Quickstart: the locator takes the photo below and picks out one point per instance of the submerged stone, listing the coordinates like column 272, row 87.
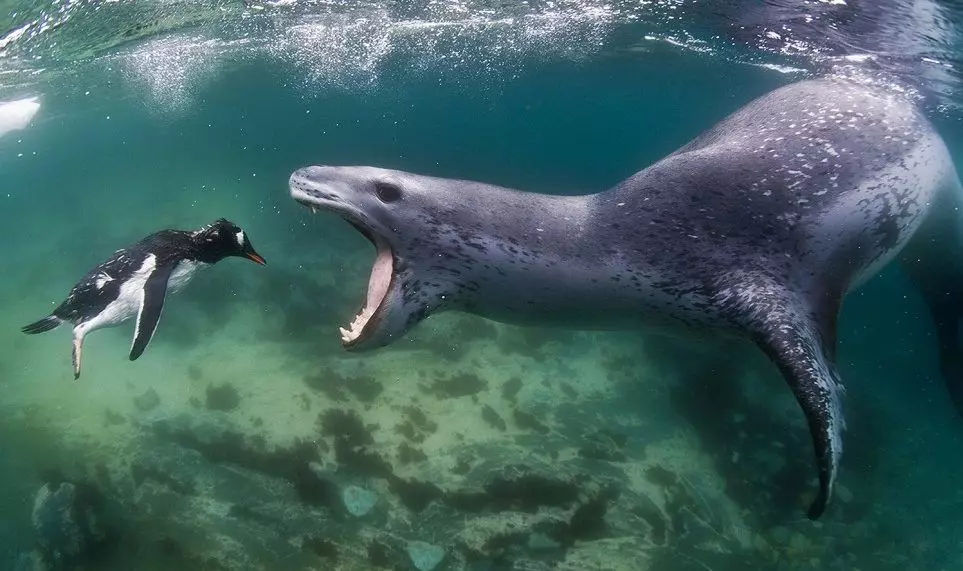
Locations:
column 425, row 556
column 358, row 501
column 58, row 532
column 540, row 541
column 31, row 561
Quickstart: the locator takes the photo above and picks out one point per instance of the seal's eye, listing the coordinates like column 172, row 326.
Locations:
column 387, row 192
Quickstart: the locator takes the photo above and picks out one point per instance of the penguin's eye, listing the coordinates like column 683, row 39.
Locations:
column 387, row 192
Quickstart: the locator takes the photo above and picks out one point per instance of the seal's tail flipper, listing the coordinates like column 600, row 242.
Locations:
column 800, row 340
column 42, row 326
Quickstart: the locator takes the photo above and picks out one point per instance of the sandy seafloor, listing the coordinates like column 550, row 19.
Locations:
column 505, row 447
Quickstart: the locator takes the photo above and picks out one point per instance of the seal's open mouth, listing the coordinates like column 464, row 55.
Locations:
column 382, row 273
column 366, row 321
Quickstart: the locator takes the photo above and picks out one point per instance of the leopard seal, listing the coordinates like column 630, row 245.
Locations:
column 758, row 227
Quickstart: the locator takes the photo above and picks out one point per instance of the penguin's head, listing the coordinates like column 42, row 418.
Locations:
column 224, row 239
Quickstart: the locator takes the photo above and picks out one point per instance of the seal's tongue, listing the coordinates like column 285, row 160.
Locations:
column 378, row 284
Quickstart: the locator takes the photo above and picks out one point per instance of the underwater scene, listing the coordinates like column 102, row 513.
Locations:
column 481, row 285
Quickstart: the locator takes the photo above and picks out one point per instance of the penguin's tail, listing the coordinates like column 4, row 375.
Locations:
column 45, row 324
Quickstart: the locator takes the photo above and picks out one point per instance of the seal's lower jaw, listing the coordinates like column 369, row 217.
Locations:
column 366, row 322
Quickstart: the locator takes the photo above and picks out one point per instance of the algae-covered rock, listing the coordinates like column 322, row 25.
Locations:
column 69, row 526
column 210, row 490
column 147, row 401
column 616, row 554
column 223, row 397
column 30, row 561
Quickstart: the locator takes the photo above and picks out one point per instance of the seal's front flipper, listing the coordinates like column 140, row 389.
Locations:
column 151, row 304
column 933, row 260
column 946, row 311
column 800, row 339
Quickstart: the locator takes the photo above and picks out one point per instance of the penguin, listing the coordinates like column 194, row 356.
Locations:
column 136, row 279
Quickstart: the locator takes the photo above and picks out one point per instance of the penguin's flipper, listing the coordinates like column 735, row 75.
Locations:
column 151, row 304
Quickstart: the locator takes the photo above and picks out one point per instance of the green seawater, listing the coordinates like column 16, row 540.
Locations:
column 234, row 441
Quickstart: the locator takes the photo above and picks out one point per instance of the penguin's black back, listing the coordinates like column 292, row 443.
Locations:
column 86, row 300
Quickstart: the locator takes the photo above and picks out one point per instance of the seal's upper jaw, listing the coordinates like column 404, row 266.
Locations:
column 317, row 187
column 330, row 188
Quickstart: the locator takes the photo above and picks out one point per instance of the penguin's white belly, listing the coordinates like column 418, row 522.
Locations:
column 118, row 311
column 131, row 295
column 182, row 274
column 128, row 301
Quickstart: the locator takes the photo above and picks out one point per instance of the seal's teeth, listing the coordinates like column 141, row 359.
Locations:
column 314, row 210
column 345, row 334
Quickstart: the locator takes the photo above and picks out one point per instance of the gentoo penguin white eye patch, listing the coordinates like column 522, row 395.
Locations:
column 240, row 237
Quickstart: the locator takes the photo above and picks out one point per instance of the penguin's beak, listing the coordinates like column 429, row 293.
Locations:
column 255, row 257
